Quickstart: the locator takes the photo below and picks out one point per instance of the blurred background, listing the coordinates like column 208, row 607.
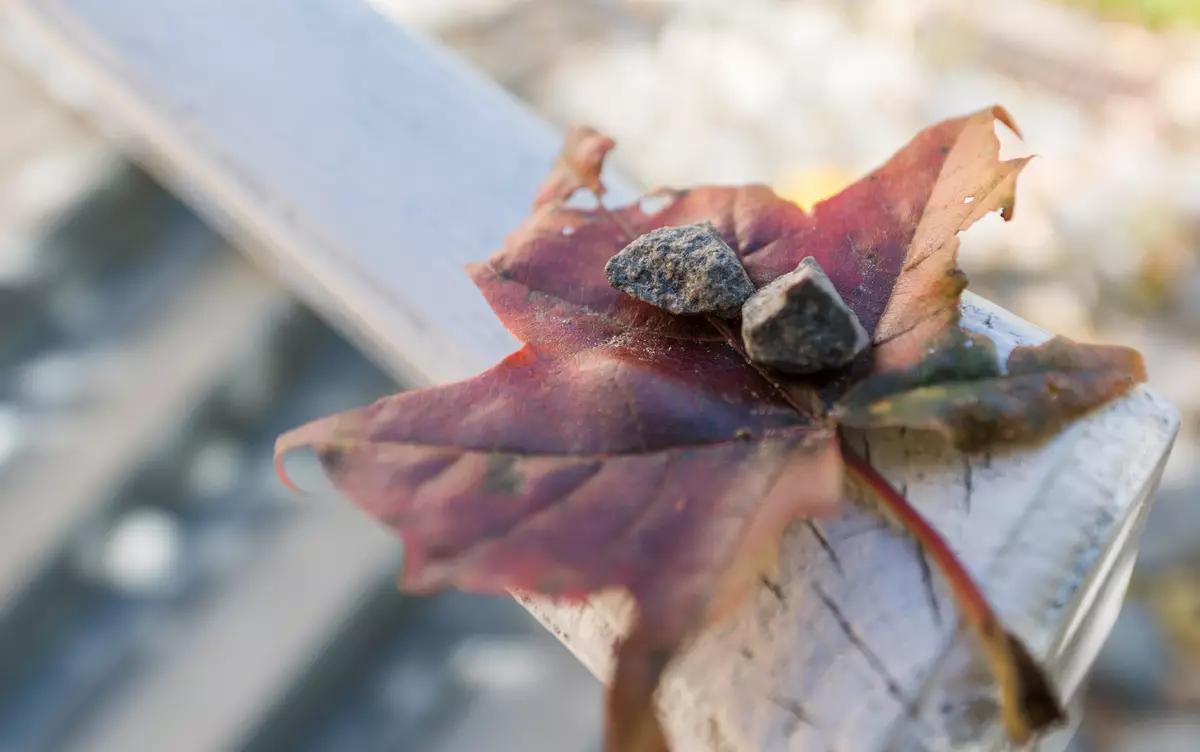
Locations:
column 152, row 569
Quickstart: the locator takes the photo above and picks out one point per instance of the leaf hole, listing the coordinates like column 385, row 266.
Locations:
column 653, row 203
column 582, row 200
column 1011, row 146
column 968, row 199
column 568, row 231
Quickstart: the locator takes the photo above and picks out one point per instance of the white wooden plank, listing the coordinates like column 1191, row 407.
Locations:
column 480, row 179
column 369, row 166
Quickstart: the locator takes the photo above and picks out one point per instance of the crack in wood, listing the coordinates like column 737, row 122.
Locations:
column 872, row 658
column 935, row 605
column 798, row 717
column 968, row 482
column 774, row 587
column 823, row 539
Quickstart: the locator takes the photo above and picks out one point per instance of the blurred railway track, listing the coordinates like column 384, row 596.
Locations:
column 158, row 588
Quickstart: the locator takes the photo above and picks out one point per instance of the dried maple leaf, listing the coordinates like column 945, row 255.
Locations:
column 625, row 447
column 960, row 390
column 578, row 166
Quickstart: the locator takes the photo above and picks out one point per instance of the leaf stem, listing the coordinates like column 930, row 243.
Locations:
column 1028, row 704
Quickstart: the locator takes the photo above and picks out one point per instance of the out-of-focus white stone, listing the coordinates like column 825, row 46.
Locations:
column 55, row 380
column 141, row 552
column 745, row 77
column 616, row 88
column 861, row 74
column 1058, row 130
column 214, row 468
column 1134, row 52
column 961, row 90
column 1179, row 94
column 806, row 29
column 1028, row 243
column 503, row 664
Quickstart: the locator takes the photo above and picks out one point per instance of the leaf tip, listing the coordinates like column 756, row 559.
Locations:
column 578, row 166
column 1004, row 116
column 283, row 445
column 1034, row 706
column 327, row 436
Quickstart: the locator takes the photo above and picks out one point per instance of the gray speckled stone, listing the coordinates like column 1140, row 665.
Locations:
column 685, row 270
column 800, row 324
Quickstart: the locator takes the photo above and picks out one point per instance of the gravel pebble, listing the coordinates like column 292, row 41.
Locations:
column 799, row 324
column 685, row 270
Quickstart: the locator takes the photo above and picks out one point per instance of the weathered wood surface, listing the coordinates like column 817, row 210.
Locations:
column 366, row 166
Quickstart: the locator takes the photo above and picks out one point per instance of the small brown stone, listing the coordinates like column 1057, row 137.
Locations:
column 799, row 324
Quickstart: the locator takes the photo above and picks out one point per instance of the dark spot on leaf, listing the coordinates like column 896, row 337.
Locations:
column 331, row 459
column 502, row 476
column 945, row 149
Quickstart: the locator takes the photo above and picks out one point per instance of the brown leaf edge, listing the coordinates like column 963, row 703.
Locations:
column 1029, row 704
column 577, row 166
column 960, row 391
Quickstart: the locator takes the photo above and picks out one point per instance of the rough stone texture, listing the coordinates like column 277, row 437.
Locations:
column 800, row 324
column 685, row 270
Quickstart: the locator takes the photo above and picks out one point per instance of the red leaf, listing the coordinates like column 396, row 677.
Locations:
column 624, row 447
column 861, row 238
column 566, row 475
